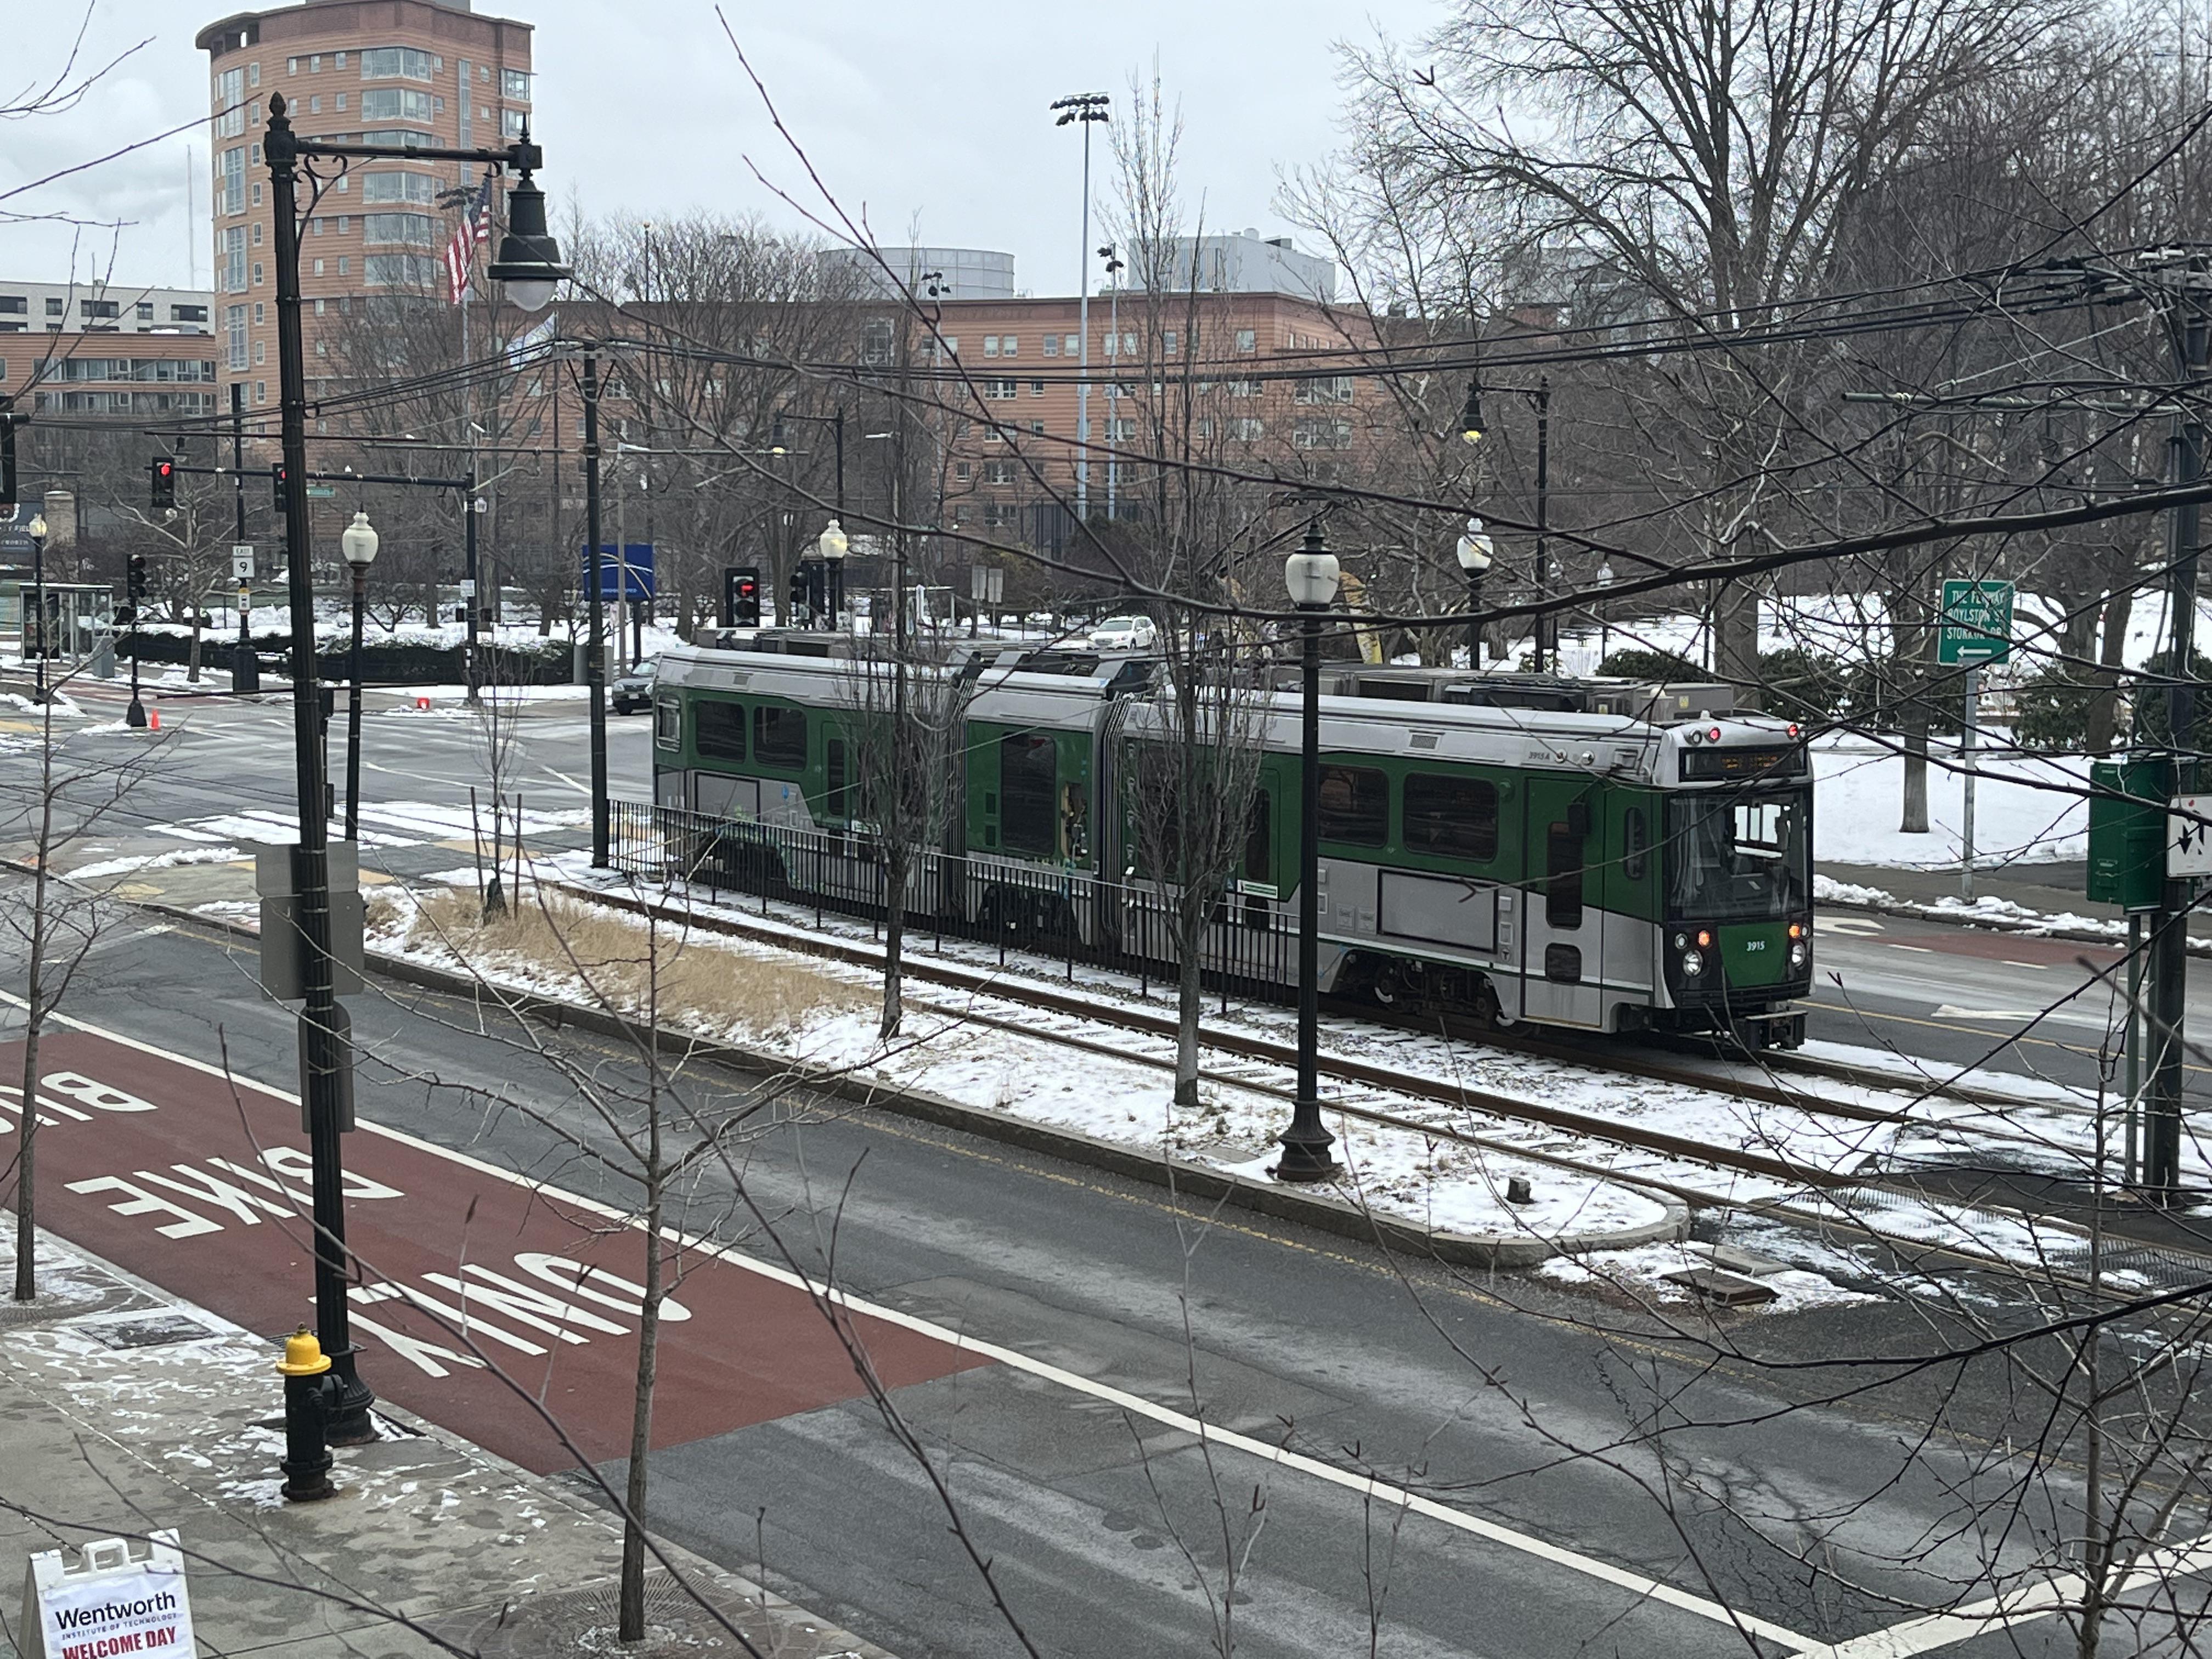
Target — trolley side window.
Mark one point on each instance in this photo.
(1355, 806)
(667, 723)
(1027, 773)
(718, 729)
(1563, 873)
(1451, 817)
(780, 737)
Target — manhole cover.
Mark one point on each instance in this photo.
(146, 1330)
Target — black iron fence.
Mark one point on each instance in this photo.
(1248, 944)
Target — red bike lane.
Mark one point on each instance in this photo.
(200, 1185)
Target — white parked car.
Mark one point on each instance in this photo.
(1125, 634)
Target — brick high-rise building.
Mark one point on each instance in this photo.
(374, 71)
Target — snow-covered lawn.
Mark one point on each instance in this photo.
(2026, 807)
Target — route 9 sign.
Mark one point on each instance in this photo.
(1977, 625)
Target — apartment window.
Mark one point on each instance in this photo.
(318, 304)
(318, 271)
(233, 318)
(229, 103)
(234, 181)
(998, 472)
(14, 304)
(291, 66)
(1001, 516)
(234, 259)
(344, 184)
(254, 75)
(1036, 388)
(345, 223)
(951, 344)
(259, 313)
(1052, 345)
(257, 273)
(462, 109)
(990, 345)
(415, 229)
(1322, 434)
(514, 83)
(342, 100)
(253, 112)
(383, 63)
(1037, 429)
(315, 226)
(257, 233)
(315, 104)
(315, 64)
(1168, 343)
(960, 471)
(1121, 432)
(393, 104)
(1243, 388)
(261, 353)
(177, 313)
(511, 122)
(256, 193)
(418, 187)
(54, 308)
(343, 264)
(338, 60)
(992, 435)
(877, 342)
(1248, 339)
(1009, 345)
(1070, 346)
(1332, 389)
(1002, 389)
(396, 269)
(1246, 430)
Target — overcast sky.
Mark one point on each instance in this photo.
(935, 111)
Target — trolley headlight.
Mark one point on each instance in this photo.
(1694, 963)
(1681, 941)
(1799, 955)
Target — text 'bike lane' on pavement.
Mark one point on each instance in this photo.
(170, 1172)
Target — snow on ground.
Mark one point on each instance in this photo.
(124, 867)
(2026, 807)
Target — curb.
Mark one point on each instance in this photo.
(1327, 1214)
(1908, 910)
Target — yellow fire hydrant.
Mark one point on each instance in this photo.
(309, 1391)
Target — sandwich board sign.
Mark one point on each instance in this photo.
(124, 1596)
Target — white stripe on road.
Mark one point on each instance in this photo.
(2016, 1608)
(1365, 1486)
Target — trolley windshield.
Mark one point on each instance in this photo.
(1738, 856)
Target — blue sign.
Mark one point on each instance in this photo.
(634, 562)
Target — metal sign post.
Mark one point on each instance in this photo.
(1976, 630)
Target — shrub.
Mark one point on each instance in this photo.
(1634, 663)
(2054, 711)
(1802, 685)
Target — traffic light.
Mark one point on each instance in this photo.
(276, 482)
(801, 614)
(134, 580)
(741, 596)
(164, 471)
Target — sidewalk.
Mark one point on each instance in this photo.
(124, 1410)
(2052, 894)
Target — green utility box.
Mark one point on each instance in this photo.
(2127, 831)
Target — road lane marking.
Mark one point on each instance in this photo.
(2033, 966)
(2020, 1606)
(1366, 1487)
(1918, 949)
(1951, 1010)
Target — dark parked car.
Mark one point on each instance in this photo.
(632, 693)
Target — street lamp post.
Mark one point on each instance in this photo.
(1471, 430)
(37, 530)
(358, 543)
(830, 547)
(529, 263)
(1604, 613)
(245, 668)
(1473, 552)
(1311, 574)
(472, 507)
(1113, 385)
(1083, 108)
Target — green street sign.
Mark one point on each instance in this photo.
(324, 492)
(1977, 624)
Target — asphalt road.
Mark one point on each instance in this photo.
(1520, 1407)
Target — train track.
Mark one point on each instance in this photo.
(1367, 1089)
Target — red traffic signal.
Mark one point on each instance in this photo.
(164, 472)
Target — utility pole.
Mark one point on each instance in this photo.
(472, 668)
(245, 668)
(1544, 622)
(1084, 109)
(2186, 324)
(595, 660)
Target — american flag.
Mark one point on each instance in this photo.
(460, 253)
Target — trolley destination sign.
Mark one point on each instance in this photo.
(1977, 625)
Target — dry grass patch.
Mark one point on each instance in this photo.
(641, 971)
